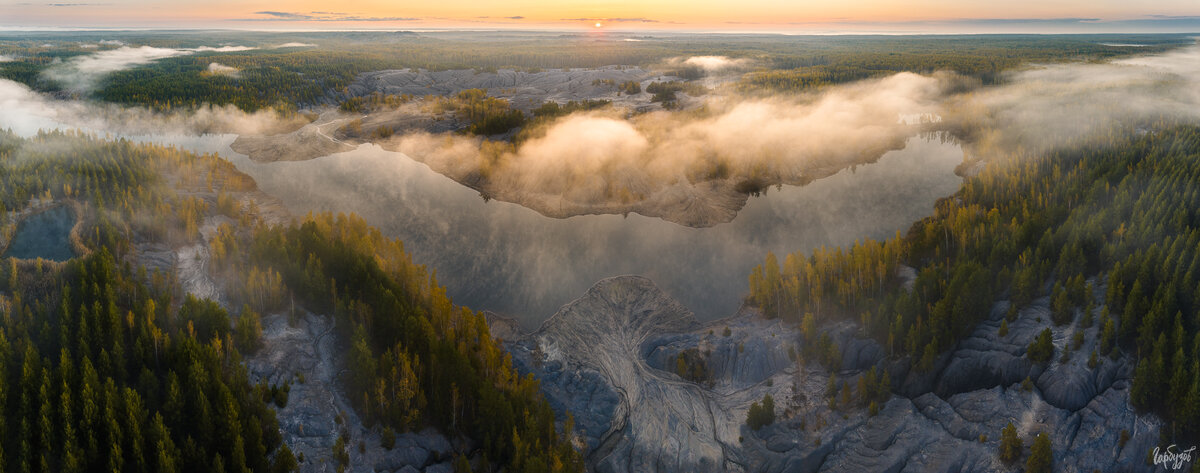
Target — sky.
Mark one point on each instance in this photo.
(784, 16)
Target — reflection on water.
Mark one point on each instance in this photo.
(506, 258)
(44, 235)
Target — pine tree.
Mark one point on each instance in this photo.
(1042, 347)
(1060, 305)
(1010, 444)
(284, 461)
(1041, 457)
(1107, 336)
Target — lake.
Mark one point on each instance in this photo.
(506, 258)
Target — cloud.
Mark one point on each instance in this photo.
(1040, 108)
(294, 45)
(4, 58)
(593, 158)
(320, 16)
(1149, 23)
(599, 159)
(286, 15)
(613, 20)
(112, 42)
(83, 73)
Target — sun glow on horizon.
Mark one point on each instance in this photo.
(715, 15)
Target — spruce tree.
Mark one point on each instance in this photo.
(1041, 457)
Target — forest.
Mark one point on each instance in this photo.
(101, 366)
(1108, 229)
(291, 78)
(110, 366)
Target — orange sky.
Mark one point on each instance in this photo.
(613, 14)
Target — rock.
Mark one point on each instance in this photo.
(410, 455)
(604, 358)
(660, 422)
(440, 468)
(430, 439)
(781, 443)
(306, 348)
(502, 327)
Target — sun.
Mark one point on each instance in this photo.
(598, 24)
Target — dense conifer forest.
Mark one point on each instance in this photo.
(1120, 213)
(108, 367)
(293, 77)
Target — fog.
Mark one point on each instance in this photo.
(506, 257)
(83, 73)
(1047, 106)
(713, 64)
(25, 112)
(223, 70)
(600, 156)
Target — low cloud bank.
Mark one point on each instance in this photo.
(1047, 106)
(589, 157)
(608, 157)
(25, 112)
(84, 73)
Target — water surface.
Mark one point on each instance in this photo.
(506, 258)
(503, 257)
(44, 235)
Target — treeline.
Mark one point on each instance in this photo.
(297, 77)
(101, 367)
(1123, 212)
(285, 80)
(981, 57)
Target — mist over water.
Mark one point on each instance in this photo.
(509, 259)
(506, 258)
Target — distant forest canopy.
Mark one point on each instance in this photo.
(318, 72)
(1120, 213)
(106, 365)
